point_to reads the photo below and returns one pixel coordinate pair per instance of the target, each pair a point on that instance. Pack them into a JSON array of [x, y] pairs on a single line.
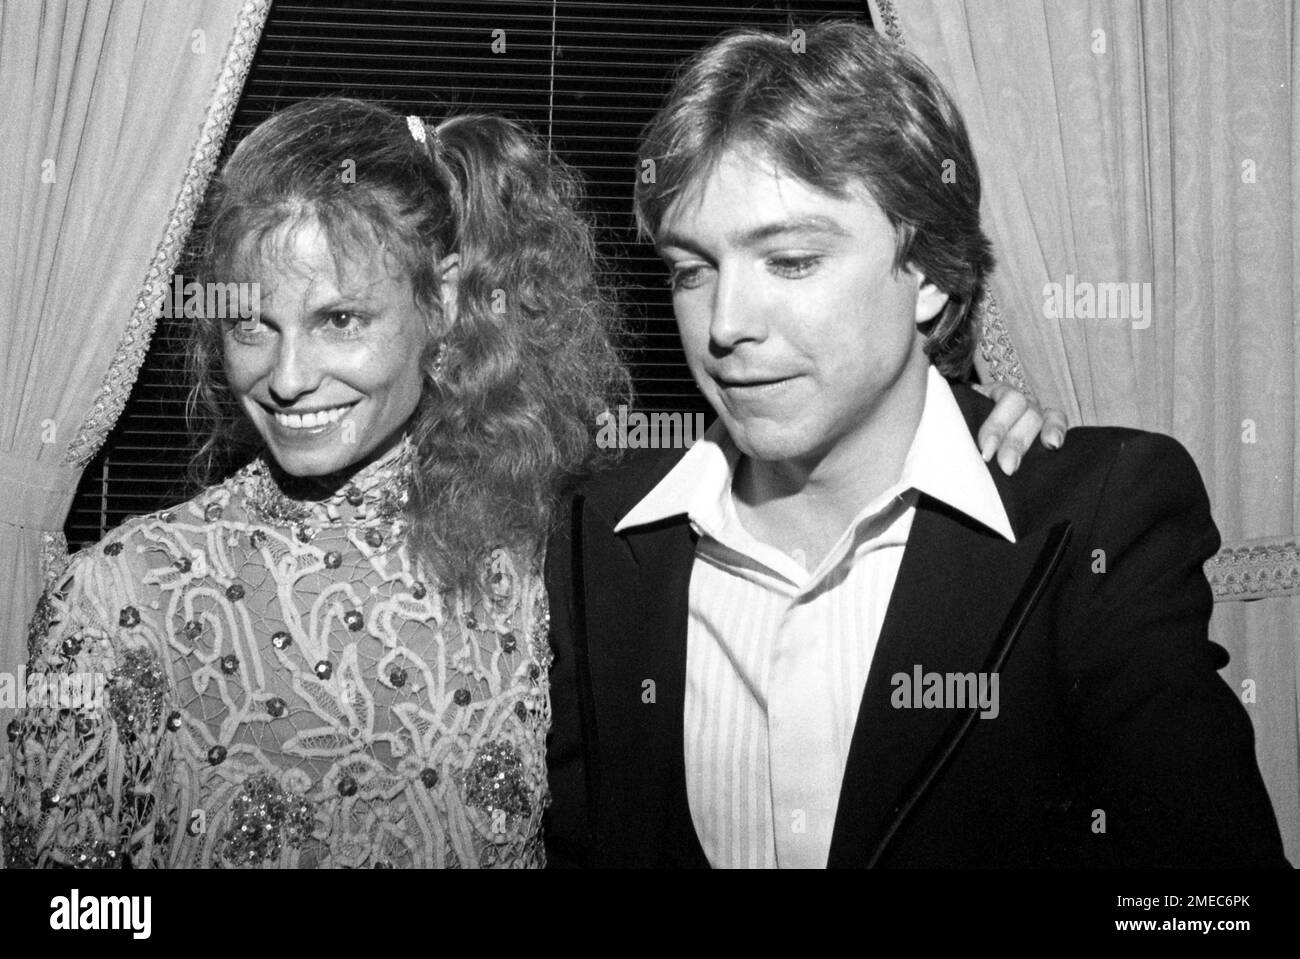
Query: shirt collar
[[942, 462]]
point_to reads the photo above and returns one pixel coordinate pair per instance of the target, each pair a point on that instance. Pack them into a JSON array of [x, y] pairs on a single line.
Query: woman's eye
[[793, 267], [247, 331], [344, 322], [686, 277]]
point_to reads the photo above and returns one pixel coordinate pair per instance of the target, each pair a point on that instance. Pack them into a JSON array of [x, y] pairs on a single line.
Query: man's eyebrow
[[812, 224]]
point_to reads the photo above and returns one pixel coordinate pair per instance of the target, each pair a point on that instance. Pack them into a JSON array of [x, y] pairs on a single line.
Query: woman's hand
[[1014, 424]]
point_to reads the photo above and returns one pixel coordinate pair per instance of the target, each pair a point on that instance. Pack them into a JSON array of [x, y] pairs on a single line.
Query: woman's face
[[330, 373]]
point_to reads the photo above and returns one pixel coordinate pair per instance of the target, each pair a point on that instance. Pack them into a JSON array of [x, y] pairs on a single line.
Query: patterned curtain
[[1141, 191], [114, 117]]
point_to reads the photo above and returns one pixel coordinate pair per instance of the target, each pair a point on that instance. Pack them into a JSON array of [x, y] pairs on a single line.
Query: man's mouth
[[313, 419], [752, 384]]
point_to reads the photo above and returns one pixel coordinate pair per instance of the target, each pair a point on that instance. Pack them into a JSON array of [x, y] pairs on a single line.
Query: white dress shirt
[[778, 656]]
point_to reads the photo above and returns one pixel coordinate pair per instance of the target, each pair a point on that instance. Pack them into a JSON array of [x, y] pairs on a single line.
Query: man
[[829, 633]]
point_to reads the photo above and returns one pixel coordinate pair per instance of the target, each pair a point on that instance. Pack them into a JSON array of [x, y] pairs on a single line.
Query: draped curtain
[[113, 120], [1141, 187]]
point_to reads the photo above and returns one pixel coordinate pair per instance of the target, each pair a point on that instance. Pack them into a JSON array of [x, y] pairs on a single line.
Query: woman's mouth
[[313, 419]]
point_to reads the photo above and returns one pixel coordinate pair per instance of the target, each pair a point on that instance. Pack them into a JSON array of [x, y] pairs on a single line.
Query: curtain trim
[[1255, 569], [888, 18], [996, 346], [131, 349]]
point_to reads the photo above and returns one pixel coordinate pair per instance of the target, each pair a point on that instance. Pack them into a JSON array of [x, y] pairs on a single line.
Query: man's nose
[[737, 317], [296, 371]]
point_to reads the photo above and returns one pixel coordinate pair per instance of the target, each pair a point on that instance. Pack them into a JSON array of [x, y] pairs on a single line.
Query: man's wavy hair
[[845, 108], [531, 359]]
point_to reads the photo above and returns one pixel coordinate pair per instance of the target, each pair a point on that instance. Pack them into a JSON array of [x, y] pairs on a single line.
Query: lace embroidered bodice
[[282, 686]]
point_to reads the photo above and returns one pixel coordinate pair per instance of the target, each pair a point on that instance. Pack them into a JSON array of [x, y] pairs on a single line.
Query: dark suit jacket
[[1116, 742]]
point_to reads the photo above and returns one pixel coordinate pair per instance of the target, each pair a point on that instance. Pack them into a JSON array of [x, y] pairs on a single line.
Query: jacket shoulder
[[613, 491]]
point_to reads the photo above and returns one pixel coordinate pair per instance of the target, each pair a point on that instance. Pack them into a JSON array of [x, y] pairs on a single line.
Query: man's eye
[[793, 267], [686, 277]]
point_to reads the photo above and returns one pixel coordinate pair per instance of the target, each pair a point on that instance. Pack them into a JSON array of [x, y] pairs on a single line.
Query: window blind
[[586, 76]]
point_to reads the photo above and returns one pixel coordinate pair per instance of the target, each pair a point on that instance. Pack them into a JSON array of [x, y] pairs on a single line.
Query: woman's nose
[[296, 371]]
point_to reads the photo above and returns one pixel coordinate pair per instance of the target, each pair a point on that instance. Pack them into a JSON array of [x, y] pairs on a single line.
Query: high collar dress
[[253, 680]]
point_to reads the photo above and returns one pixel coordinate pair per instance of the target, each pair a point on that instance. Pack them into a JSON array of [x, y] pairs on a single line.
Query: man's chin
[[769, 443]]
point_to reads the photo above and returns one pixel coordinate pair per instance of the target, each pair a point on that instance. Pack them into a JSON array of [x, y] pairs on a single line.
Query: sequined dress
[[280, 685]]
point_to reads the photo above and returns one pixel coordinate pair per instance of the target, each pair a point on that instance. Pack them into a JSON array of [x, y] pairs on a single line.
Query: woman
[[337, 655]]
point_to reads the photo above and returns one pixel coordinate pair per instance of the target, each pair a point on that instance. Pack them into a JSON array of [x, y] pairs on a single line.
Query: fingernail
[[989, 447], [1009, 462], [1055, 440]]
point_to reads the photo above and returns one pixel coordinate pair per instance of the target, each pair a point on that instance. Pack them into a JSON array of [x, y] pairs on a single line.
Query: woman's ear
[[449, 285], [930, 300]]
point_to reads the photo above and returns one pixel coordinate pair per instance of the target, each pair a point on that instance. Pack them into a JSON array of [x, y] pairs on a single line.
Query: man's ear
[[449, 286], [930, 300]]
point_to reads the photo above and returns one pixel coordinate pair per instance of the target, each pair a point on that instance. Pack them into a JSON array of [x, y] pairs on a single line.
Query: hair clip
[[416, 126]]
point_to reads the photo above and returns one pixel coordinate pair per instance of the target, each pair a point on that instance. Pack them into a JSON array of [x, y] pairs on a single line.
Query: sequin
[[49, 799], [174, 720], [374, 538], [71, 646], [418, 590], [305, 534], [323, 669], [234, 592], [112, 549], [347, 786], [333, 559], [20, 843], [354, 620], [429, 777], [257, 538], [276, 706], [508, 642], [128, 617], [534, 672], [354, 496], [461, 697], [84, 725], [217, 755], [230, 664], [263, 818], [135, 693], [212, 513], [521, 711], [13, 729], [94, 855], [495, 780], [281, 640], [397, 676], [193, 629], [183, 564]]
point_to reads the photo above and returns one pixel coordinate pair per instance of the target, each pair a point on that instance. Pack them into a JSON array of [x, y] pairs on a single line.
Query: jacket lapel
[[638, 665], [960, 599]]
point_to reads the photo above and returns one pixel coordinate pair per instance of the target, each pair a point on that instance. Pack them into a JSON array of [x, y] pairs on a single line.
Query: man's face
[[794, 323], [331, 373]]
